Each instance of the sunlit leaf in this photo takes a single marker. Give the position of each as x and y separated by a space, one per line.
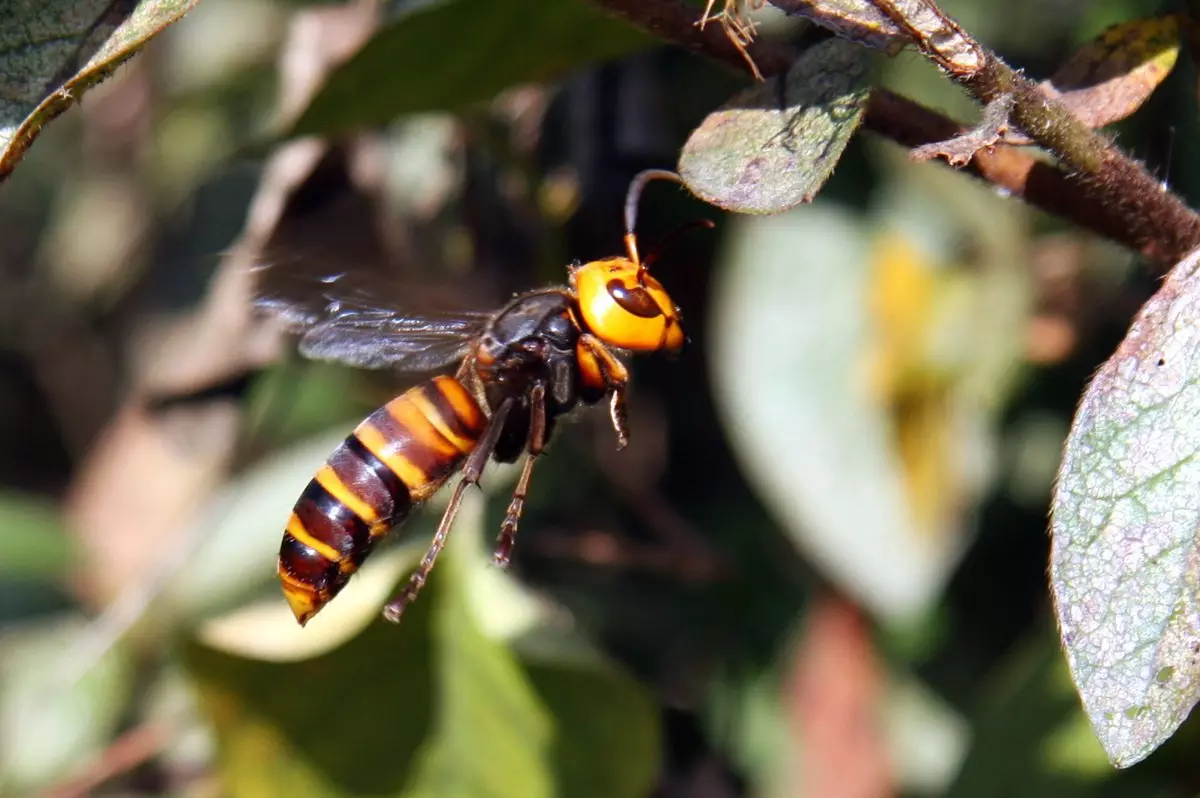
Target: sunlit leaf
1125 565
1110 77
875 427
53 718
767 151
840 490
384 714
461 52
855 20
32 539
52 52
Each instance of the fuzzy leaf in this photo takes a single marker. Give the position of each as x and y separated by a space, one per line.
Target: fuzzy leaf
758 155
1125 566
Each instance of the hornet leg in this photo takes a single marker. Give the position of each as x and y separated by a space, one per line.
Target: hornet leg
471 472
616 377
537 441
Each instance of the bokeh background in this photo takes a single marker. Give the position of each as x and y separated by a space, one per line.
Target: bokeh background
818 570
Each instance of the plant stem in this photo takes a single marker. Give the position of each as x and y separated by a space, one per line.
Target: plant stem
1156 220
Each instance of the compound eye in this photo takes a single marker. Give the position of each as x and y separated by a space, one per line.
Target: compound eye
636 300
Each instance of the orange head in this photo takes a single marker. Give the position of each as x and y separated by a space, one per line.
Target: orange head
625 307
621 304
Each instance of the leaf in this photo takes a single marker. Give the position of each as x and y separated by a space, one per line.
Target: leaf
837 679
32 539
51 718
1110 77
56 50
855 20
396 711
462 52
608 744
876 427
771 149
428 708
1024 733
840 492
1125 568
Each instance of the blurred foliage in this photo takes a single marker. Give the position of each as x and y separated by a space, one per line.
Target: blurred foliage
821 561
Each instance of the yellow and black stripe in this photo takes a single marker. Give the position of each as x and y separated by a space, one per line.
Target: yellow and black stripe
394 460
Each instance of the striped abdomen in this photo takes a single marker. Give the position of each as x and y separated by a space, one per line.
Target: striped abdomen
395 459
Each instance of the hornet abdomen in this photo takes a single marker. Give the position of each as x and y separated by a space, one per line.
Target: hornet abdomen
394 460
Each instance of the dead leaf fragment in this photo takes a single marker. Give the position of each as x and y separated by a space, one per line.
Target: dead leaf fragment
1110 77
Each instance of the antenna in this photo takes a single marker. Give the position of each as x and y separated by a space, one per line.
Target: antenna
670 238
631 206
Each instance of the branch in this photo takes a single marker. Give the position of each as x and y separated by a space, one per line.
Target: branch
1157 221
1096 206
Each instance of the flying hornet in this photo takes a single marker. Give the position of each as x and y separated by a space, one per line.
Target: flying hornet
517 371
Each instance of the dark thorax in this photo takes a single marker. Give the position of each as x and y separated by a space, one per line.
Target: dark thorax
531 341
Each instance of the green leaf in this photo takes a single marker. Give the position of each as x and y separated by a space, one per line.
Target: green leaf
462 52
53 717
1025 733
432 707
1125 568
51 52
900 352
612 748
771 149
840 492
32 539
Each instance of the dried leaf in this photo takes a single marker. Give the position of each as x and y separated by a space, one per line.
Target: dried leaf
959 150
936 34
836 692
1125 565
1111 76
854 20
44 46
771 149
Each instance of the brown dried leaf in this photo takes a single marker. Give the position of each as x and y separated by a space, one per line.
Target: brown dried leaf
959 150
1111 76
834 704
856 20
169 462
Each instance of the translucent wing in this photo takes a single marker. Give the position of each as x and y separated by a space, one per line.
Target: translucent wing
352 321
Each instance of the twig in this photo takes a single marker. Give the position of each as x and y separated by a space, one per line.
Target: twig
1140 222
130 750
1157 221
